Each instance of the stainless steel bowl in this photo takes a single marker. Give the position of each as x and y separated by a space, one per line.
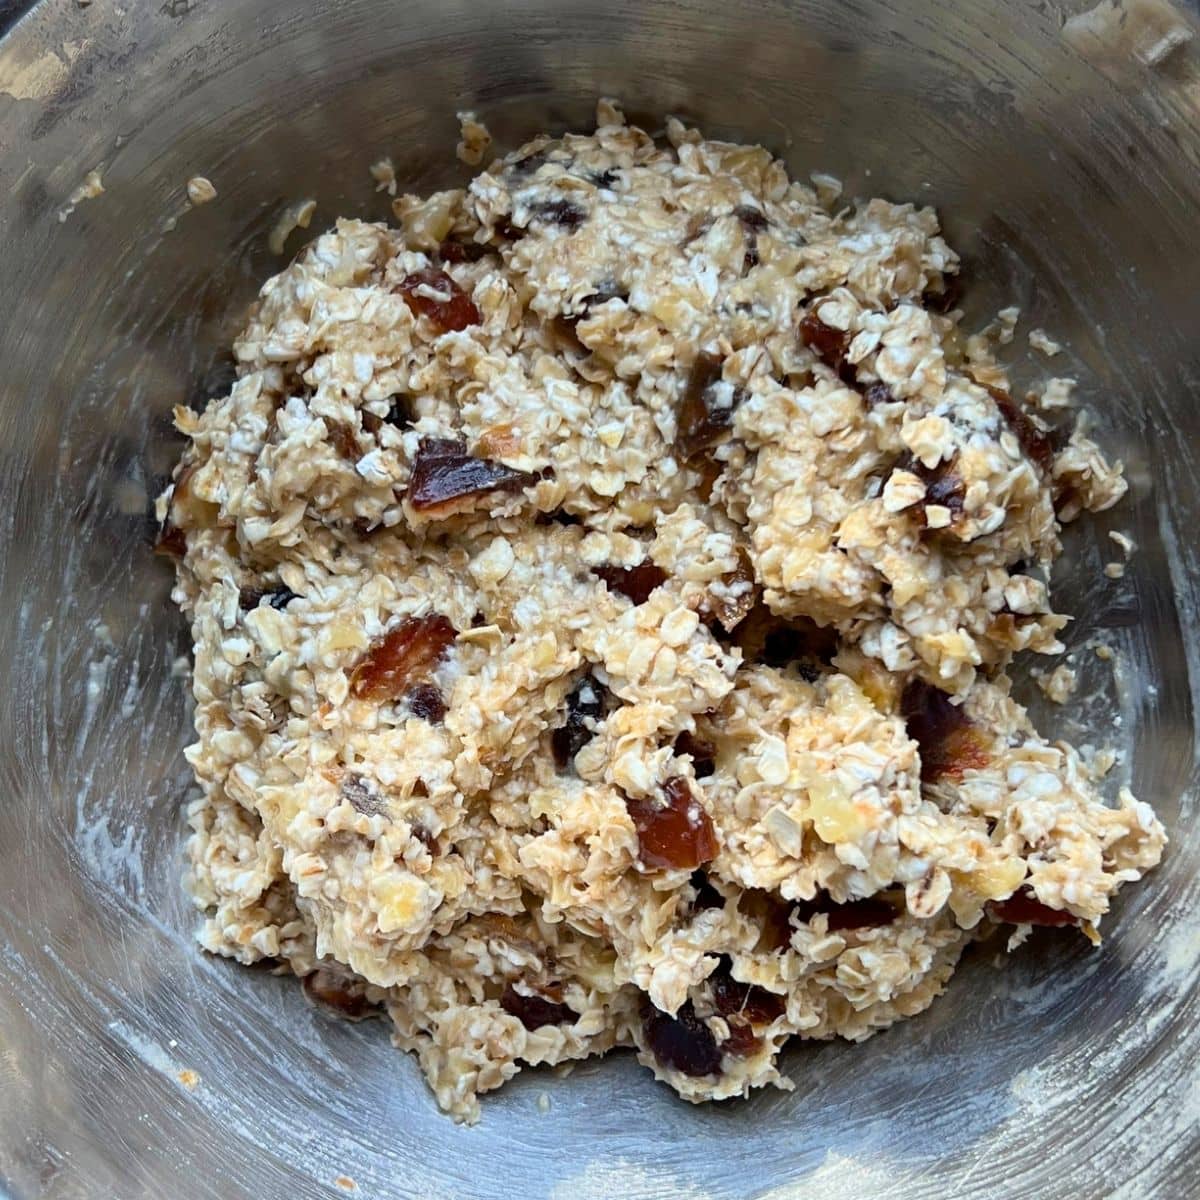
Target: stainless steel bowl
1062 147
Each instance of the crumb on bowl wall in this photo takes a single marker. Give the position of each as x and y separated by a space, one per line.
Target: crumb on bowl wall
474 139
295 216
200 190
1041 341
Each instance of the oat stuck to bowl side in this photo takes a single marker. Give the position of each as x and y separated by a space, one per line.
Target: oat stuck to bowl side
602 585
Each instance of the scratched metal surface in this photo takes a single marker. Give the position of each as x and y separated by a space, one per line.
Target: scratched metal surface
1066 164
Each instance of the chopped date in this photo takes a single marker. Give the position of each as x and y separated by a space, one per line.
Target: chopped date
676 834
682 1042
559 212
746 1001
742 1040
449 309
943 485
534 1010
425 701
402 657
731 610
703 753
1024 908
336 994
1036 442
634 582
278 598
949 743
343 439
868 913
443 473
585 703
706 410
828 344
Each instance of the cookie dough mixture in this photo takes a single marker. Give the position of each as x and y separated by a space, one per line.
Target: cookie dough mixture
602 584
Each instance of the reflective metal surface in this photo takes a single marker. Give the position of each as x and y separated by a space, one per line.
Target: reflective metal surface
1065 162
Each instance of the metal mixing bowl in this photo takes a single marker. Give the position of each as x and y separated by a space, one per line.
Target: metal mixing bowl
1062 148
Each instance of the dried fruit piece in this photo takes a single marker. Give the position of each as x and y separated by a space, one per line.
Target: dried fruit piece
746 1001
682 1042
828 344
432 293
635 582
332 991
402 657
706 410
738 599
584 704
559 212
742 1040
1036 442
443 474
425 701
677 834
343 439
950 745
703 753
943 486
534 1010
868 913
1024 908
